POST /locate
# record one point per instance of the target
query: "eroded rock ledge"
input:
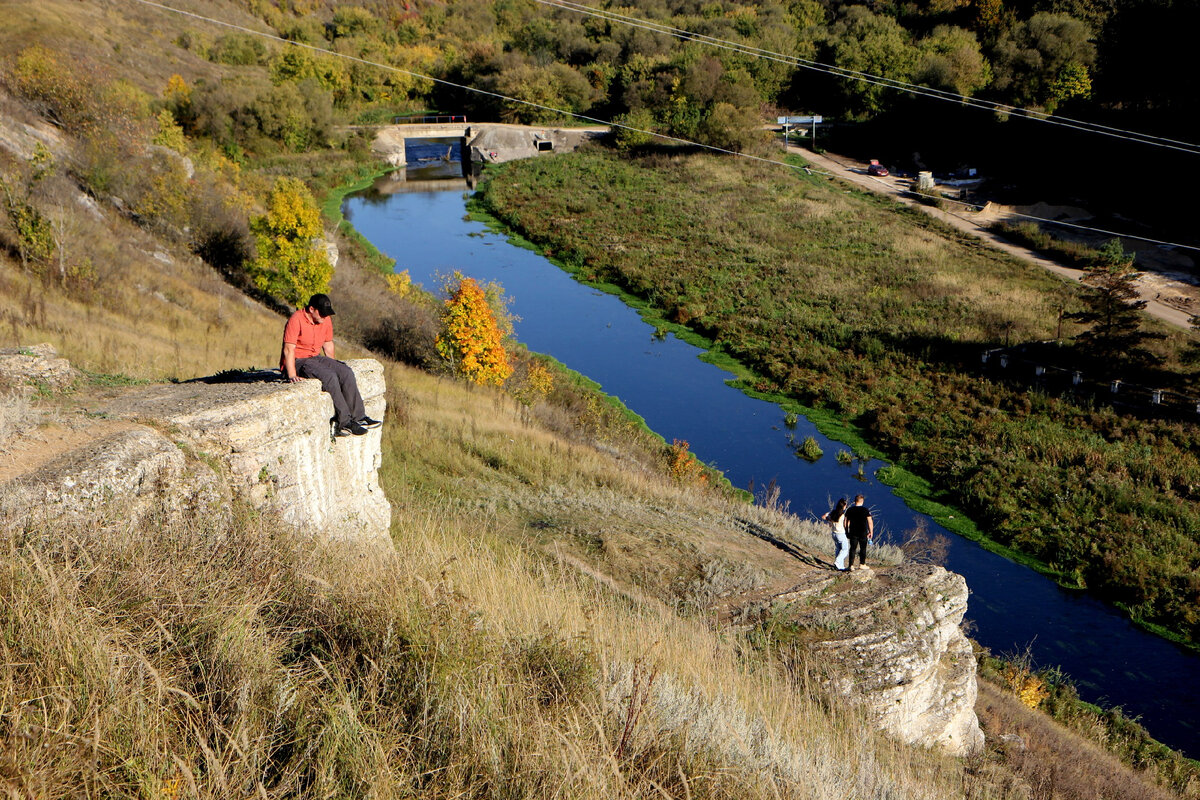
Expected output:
(196, 446)
(892, 641)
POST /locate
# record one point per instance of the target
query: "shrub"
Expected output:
(400, 283)
(31, 230)
(535, 382)
(470, 338)
(634, 130)
(809, 450)
(60, 93)
(290, 265)
(683, 466)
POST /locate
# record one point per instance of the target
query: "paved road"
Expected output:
(973, 223)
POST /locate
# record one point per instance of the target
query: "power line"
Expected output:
(655, 134)
(865, 77)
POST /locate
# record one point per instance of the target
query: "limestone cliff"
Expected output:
(202, 443)
(895, 644)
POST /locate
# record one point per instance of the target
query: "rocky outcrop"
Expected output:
(891, 640)
(26, 369)
(193, 447)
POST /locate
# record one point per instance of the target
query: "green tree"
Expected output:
(32, 232)
(952, 61)
(862, 41)
(290, 263)
(1112, 315)
(636, 129)
(1044, 61)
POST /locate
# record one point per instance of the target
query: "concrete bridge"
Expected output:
(483, 143)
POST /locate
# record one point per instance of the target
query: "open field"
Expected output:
(878, 315)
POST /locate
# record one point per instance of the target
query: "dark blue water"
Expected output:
(681, 397)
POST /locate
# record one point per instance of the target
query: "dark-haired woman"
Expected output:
(841, 543)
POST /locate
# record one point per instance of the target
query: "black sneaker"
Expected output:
(352, 427)
(338, 430)
(367, 422)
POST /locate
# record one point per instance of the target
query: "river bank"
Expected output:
(890, 359)
(918, 493)
(669, 383)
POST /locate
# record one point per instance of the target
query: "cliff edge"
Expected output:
(202, 444)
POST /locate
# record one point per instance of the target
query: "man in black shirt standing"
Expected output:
(860, 528)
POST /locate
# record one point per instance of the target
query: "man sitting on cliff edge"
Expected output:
(308, 353)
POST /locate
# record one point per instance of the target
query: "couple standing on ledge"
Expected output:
(852, 527)
(308, 353)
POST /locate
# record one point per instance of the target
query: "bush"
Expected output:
(471, 338)
(290, 265)
(809, 450)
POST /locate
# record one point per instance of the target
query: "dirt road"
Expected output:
(1157, 282)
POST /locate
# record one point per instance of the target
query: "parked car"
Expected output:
(877, 169)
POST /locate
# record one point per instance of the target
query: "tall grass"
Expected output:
(186, 661)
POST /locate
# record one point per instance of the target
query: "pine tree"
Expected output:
(1112, 315)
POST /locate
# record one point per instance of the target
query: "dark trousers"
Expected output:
(339, 382)
(858, 543)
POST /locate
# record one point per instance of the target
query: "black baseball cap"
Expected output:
(321, 303)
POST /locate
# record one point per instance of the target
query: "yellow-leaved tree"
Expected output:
(471, 339)
(290, 265)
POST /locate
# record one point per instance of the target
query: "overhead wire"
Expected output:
(865, 77)
(655, 134)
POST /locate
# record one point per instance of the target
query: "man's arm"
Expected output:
(289, 361)
(327, 349)
(870, 526)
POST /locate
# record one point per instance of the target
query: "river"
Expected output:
(662, 378)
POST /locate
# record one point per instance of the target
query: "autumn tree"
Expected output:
(290, 263)
(471, 339)
(1112, 317)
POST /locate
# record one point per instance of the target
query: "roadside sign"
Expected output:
(799, 120)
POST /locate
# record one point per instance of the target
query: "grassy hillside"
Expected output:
(877, 315)
(544, 626)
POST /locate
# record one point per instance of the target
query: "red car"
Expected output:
(877, 169)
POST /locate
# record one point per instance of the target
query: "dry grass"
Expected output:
(16, 414)
(187, 662)
(1054, 762)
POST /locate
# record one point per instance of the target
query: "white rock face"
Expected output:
(275, 439)
(200, 443)
(899, 650)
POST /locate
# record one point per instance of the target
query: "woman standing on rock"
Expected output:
(841, 543)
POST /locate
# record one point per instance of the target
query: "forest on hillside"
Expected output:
(711, 71)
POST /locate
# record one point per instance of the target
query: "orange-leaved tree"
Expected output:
(470, 339)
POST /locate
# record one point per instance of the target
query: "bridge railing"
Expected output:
(429, 120)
